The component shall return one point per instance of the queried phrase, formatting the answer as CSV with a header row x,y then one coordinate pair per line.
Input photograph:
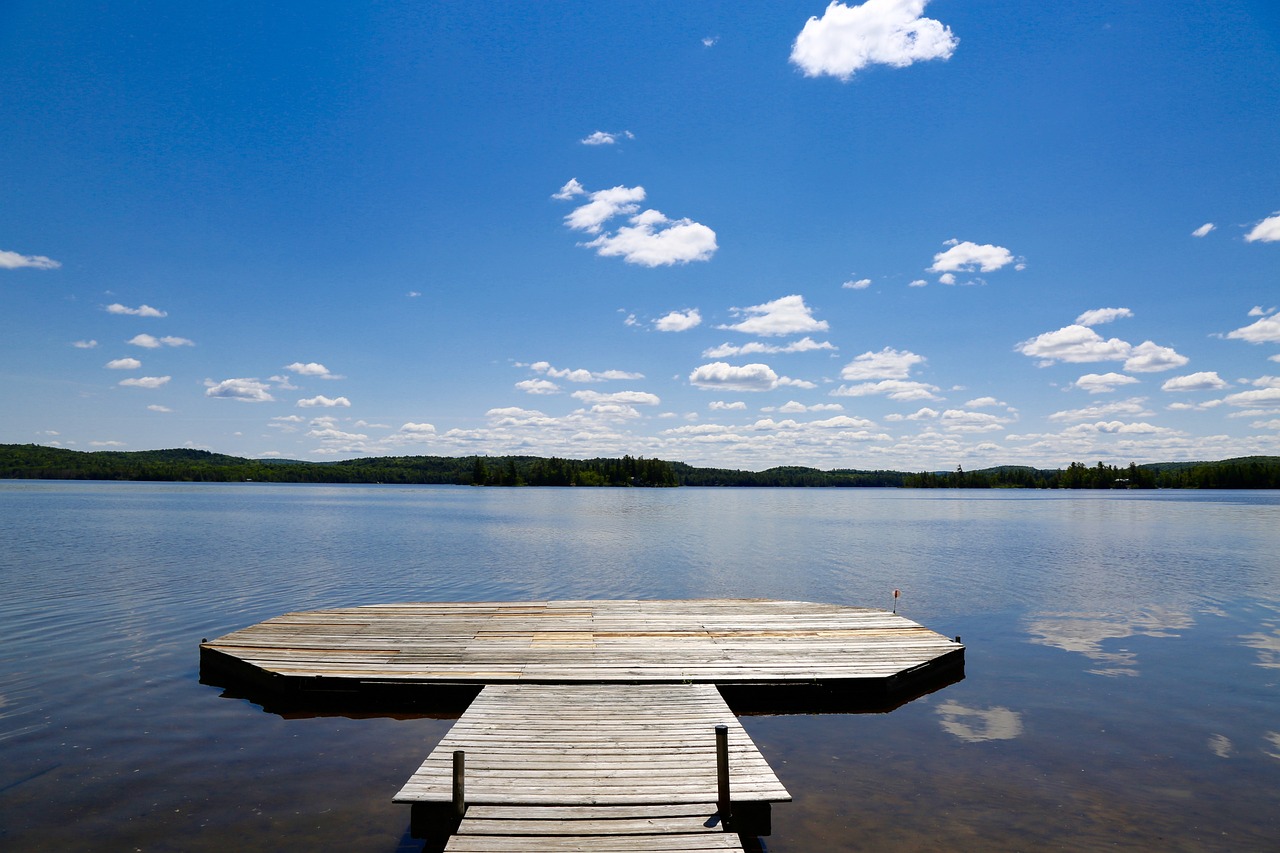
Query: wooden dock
x,y
594,727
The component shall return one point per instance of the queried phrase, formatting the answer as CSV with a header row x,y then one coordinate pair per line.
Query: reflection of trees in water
x,y
1085,633
973,725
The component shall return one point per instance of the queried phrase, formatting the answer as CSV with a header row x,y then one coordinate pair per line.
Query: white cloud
x,y
710,41
571,189
155,407
1265,330
311,368
582,375
653,240
321,401
650,240
795,383
421,430
1102,383
886,364
600,137
792,407
894,389
140,311
785,316
603,205
336,435
628,398
245,390
722,406
925,414
748,377
1203,230
1259,311
970,257
984,403
678,321
1074,343
1267,395
919,282
1204,381
1099,316
1266,231
1149,357
846,39
947,278
123,364
152,342
860,284
145,381
107,444
13,261
959,420
84,344
1133,407
538,386
805,344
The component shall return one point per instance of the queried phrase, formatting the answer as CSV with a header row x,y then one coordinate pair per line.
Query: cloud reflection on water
x,y
1268,645
974,725
1085,633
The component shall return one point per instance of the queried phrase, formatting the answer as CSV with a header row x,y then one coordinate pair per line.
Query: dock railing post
x,y
722,775
459,783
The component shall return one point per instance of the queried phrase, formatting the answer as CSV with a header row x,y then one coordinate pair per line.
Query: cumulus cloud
x,y
722,406
846,39
889,363
651,239
538,386
970,257
1079,344
580,374
13,261
244,390
678,321
1098,316
860,284
894,389
1268,394
600,137
984,403
140,311
84,344
1203,230
1102,383
748,377
1150,357
1265,330
123,364
960,420
919,282
154,407
145,381
152,342
323,402
1133,407
1266,231
805,344
628,398
792,407
1203,381
785,316
311,368
924,414
1259,311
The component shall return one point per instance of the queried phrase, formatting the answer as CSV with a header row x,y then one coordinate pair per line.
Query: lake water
x,y
1123,655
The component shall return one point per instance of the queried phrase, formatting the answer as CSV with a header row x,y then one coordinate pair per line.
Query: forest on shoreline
x,y
38,462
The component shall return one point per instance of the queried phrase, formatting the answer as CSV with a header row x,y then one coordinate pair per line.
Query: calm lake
x,y
1122,684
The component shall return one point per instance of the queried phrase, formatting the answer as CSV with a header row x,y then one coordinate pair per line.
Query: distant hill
x,y
37,462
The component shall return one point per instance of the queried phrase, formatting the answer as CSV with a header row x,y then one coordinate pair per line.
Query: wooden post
x,y
723,801
459,783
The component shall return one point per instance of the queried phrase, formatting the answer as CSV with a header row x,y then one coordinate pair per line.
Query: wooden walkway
x,y
594,726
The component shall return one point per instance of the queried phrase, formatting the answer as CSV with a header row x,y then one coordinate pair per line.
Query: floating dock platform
x,y
590,725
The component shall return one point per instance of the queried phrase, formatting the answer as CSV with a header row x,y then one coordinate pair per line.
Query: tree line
x,y
38,462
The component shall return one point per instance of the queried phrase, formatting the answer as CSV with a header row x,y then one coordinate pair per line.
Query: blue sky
x,y
896,235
